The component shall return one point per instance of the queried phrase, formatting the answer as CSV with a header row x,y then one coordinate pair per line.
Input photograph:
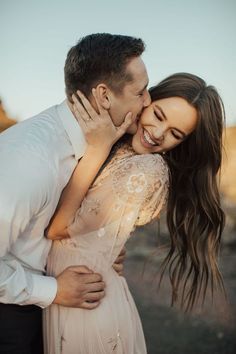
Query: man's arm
x,y
23,193
26,187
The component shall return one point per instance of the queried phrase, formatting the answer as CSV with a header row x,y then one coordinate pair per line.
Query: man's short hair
x,y
100,57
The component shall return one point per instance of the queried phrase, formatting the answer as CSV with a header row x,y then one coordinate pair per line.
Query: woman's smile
x,y
163,125
148,139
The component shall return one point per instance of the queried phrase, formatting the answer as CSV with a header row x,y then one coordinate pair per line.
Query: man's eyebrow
x,y
144,88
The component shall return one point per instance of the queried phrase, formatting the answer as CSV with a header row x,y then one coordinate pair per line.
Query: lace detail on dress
x,y
114,341
131,189
142,179
92,205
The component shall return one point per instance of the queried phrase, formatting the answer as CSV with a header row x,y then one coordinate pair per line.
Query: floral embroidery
x,y
136,183
130,216
117,205
114,341
101,232
69,242
93,205
145,187
128,183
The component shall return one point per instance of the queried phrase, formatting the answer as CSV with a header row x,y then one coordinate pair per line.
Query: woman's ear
x,y
103,95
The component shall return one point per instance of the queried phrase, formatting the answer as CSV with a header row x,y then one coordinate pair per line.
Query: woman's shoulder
x,y
151,168
151,164
153,161
140,178
124,162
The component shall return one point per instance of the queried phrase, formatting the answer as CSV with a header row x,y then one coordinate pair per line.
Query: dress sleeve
x,y
130,191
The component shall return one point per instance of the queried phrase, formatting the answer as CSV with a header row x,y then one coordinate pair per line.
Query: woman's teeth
x,y
147,138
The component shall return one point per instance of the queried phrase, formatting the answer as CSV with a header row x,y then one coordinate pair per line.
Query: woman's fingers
x,y
100,108
121,130
80,113
87,105
118,268
99,128
122,252
121,257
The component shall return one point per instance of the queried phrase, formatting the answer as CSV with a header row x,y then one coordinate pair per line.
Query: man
x,y
37,158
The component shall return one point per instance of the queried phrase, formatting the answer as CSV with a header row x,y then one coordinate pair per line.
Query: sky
x,y
197,36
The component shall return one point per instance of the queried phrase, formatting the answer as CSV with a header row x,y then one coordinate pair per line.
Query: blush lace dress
x,y
131,190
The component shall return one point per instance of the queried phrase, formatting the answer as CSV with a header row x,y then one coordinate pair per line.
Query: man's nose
x,y
146,99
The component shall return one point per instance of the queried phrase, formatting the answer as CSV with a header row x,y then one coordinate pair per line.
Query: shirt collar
x,y
73,129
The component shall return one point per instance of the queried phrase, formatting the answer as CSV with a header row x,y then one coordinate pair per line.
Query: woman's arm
x,y
74,193
100,134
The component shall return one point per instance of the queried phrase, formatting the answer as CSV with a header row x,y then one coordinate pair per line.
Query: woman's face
x,y
163,125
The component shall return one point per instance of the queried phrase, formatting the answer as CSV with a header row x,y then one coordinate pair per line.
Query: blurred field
x,y
168,330
228,178
5,121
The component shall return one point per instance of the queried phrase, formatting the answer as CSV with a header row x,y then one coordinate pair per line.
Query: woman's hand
x,y
118,265
99,130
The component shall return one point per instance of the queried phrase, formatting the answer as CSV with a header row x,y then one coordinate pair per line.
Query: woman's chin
x,y
138,148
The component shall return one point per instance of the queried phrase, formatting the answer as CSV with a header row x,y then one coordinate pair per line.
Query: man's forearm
x,y
19,286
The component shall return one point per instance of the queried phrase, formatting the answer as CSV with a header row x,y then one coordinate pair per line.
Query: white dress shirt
x,y
37,158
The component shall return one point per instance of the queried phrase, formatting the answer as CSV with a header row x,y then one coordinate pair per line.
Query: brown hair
x,y
194,215
100,57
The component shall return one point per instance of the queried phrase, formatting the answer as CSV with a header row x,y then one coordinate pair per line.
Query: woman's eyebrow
x,y
160,109
162,112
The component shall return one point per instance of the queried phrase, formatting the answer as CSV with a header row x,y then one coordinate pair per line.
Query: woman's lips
x,y
144,140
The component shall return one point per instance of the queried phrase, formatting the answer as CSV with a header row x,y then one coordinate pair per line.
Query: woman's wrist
x,y
100,152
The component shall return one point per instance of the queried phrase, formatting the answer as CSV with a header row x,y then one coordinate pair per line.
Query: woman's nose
x,y
159,133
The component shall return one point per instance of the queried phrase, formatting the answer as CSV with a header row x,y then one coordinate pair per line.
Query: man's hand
x,y
78,286
118,265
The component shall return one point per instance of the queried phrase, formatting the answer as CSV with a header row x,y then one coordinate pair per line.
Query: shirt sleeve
x,y
131,192
23,193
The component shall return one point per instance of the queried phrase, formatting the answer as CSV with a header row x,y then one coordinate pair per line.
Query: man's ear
x,y
103,95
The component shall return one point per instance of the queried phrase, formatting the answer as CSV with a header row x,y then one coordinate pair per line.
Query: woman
x,y
184,121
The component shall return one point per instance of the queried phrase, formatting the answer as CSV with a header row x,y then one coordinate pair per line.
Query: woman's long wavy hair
x,y
194,216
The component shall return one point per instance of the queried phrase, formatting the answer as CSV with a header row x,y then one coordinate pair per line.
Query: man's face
x,y
134,96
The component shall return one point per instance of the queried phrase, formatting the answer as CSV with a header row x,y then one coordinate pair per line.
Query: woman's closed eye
x,y
176,135
158,116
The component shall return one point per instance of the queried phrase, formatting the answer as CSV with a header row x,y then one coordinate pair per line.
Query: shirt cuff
x,y
44,290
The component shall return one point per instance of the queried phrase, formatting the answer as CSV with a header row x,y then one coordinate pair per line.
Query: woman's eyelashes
x,y
178,137
158,115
